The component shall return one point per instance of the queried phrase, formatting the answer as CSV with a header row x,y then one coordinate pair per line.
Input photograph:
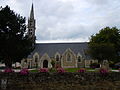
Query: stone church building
x,y
65,55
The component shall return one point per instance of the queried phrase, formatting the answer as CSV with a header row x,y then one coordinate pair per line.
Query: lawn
x,y
35,70
66,69
76,69
72,69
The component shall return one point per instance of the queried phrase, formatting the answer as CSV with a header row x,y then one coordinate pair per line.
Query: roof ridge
x,y
64,43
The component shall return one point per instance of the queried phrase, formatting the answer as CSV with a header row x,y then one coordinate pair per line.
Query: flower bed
x,y
103,71
60,70
24,71
82,70
43,70
8,70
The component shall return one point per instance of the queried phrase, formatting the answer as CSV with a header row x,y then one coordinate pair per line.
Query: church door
x,y
45,64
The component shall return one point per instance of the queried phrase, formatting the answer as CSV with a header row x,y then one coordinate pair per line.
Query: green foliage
x,y
52,70
14,43
111,64
105,44
53,63
102,51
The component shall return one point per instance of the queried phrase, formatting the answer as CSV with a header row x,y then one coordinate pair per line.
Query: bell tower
x,y
31,25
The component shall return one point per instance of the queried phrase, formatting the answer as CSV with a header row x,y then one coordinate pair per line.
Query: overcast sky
x,y
68,20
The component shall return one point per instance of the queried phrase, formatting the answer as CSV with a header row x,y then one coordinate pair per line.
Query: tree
x,y
14,42
105,45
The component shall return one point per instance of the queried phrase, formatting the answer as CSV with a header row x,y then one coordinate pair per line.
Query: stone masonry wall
x,y
57,81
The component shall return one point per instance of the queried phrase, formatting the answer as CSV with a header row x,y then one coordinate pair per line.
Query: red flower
x,y
82,70
60,70
8,70
24,71
43,70
103,71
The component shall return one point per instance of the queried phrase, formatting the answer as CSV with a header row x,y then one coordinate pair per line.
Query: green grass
x,y
76,69
66,69
72,69
34,70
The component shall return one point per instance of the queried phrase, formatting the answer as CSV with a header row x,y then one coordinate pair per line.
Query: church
x,y
65,55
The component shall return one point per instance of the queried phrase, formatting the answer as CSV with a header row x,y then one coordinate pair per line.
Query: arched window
x,y
91,62
69,57
79,59
57,58
30,24
36,59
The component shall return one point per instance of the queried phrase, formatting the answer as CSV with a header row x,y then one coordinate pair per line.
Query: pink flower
x,y
8,70
24,71
82,70
103,71
43,70
60,70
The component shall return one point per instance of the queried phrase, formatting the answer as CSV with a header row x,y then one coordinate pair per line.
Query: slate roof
x,y
52,48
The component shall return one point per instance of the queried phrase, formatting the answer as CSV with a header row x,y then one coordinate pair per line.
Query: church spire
x,y
32,12
31,26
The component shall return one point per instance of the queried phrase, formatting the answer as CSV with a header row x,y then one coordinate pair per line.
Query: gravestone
x,y
3,83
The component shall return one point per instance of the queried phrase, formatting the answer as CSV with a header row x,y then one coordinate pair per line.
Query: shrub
x,y
82,70
57,66
24,71
43,70
103,71
8,70
52,70
53,63
60,70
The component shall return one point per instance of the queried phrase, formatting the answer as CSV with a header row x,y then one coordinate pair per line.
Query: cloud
x,y
68,20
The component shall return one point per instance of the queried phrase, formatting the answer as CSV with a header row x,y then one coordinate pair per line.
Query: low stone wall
x,y
57,81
